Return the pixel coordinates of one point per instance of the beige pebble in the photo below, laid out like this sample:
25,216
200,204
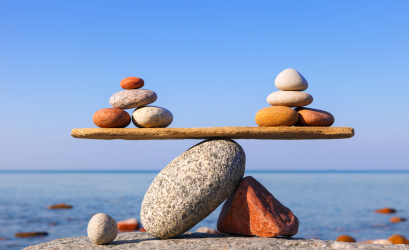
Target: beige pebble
291,79
102,229
289,98
152,117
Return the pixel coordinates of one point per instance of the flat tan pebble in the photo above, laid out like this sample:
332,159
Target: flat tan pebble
276,116
291,79
152,117
132,98
289,98
102,229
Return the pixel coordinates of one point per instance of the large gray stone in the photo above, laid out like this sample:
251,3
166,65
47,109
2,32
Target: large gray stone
191,187
137,240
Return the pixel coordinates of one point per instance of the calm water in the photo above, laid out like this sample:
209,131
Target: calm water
327,204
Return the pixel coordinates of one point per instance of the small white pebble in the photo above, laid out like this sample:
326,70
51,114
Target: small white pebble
102,229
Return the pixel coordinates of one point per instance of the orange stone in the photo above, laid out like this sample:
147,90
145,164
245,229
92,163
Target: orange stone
132,83
276,116
345,238
111,118
314,117
128,225
60,206
252,210
397,219
30,234
142,230
398,239
386,210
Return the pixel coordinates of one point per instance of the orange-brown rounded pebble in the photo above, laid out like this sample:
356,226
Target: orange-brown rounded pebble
345,238
111,118
132,83
314,117
385,210
397,219
398,239
276,116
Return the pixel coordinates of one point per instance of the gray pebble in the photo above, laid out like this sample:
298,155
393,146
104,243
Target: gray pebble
191,187
151,117
132,98
102,229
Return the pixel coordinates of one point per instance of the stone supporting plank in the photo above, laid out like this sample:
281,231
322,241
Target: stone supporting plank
139,240
261,133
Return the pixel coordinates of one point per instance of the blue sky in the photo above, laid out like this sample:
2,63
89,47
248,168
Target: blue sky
211,63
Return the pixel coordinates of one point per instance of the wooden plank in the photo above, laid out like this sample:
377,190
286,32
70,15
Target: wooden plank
260,133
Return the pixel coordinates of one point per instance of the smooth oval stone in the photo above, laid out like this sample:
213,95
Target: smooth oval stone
291,79
111,118
102,229
132,98
314,117
289,98
191,187
132,83
276,116
152,117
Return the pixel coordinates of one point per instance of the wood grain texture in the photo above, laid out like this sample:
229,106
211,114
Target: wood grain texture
265,133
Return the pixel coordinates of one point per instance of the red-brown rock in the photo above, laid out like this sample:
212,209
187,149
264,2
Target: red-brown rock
345,238
252,210
128,225
398,239
207,230
142,230
314,117
386,210
132,83
60,206
111,118
30,234
397,219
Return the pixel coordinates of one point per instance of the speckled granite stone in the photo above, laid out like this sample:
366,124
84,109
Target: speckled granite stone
201,241
152,117
132,98
191,187
102,229
289,98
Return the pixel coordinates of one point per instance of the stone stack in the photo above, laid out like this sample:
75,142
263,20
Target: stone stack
291,84
133,97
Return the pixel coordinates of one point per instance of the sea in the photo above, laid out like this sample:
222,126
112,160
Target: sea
327,203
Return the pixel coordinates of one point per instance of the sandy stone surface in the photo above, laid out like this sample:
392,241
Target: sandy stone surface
202,241
289,98
291,79
253,211
132,98
152,117
276,116
191,187
265,133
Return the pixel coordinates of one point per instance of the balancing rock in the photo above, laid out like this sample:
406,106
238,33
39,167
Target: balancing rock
289,98
132,83
314,117
191,187
291,79
252,210
102,229
276,116
132,98
111,118
151,117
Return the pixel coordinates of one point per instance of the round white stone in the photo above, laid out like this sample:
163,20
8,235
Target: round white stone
291,79
289,98
102,229
152,117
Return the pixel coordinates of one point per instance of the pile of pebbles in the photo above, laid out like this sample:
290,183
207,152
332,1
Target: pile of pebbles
133,97
291,85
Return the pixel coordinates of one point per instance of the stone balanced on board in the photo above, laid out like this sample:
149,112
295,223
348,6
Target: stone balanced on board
291,84
133,97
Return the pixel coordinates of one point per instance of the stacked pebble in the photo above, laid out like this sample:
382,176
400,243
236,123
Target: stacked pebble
291,84
133,97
